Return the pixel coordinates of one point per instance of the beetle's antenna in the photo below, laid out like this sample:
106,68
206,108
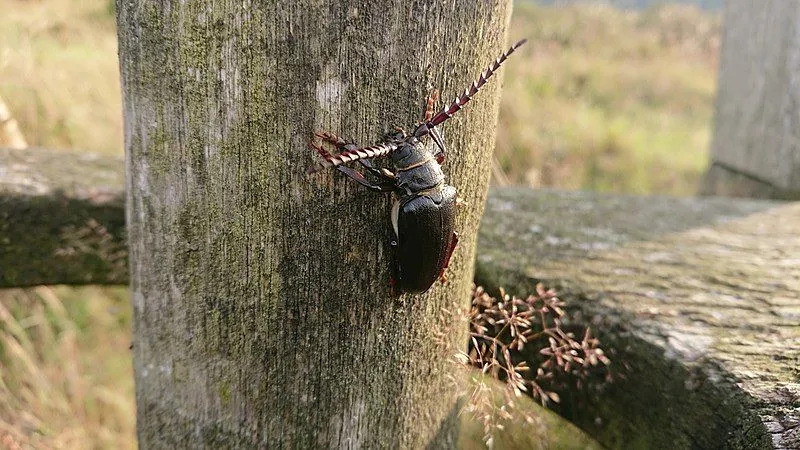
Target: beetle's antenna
460,101
349,155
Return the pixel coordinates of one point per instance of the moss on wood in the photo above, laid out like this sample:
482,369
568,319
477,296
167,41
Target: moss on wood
266,289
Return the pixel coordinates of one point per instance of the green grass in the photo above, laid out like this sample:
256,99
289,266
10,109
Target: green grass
609,100
599,99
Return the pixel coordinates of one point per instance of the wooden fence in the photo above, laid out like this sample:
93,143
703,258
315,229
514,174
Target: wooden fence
696,298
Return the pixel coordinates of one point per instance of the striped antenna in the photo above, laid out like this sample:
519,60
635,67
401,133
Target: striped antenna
473,89
347,156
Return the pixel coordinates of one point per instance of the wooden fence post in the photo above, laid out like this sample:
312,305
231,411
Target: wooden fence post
263,311
756,148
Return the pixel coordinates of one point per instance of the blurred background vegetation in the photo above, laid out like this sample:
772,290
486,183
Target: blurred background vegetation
610,100
602,98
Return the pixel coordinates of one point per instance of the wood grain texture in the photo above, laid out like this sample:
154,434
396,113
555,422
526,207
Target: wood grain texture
697,299
263,311
757,118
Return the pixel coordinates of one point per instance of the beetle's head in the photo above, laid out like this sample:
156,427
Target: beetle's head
409,152
398,135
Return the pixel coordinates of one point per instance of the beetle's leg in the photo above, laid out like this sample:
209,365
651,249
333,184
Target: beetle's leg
437,138
450,250
433,131
359,178
432,97
384,174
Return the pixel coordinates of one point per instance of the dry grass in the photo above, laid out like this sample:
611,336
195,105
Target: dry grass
66,379
59,73
521,342
609,100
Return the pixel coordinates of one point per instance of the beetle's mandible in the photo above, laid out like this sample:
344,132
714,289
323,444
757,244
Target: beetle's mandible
423,214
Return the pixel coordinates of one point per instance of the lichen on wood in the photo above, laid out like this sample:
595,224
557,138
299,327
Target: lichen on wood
263,310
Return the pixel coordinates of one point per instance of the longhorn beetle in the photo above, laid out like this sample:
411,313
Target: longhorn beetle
423,214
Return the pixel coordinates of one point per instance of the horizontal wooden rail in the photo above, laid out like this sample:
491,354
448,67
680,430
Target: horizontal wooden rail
697,299
62,218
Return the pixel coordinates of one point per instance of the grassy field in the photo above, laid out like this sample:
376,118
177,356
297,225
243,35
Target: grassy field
59,73
65,368
610,100
66,379
601,99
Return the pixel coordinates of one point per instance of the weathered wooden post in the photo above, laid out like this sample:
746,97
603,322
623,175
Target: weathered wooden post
756,148
263,312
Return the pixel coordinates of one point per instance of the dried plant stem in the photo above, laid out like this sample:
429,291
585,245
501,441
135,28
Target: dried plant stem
500,329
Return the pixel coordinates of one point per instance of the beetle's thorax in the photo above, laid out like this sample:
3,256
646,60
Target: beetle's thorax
416,168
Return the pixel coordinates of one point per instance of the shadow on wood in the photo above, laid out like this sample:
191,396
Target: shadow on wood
696,300
61,219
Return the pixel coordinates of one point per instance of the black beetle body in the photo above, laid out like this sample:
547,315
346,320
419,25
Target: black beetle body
423,218
423,215
424,227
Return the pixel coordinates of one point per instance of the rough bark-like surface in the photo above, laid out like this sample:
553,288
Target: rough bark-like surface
697,297
61,219
757,119
263,311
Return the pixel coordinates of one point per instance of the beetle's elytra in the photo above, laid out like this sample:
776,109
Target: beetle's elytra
423,214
